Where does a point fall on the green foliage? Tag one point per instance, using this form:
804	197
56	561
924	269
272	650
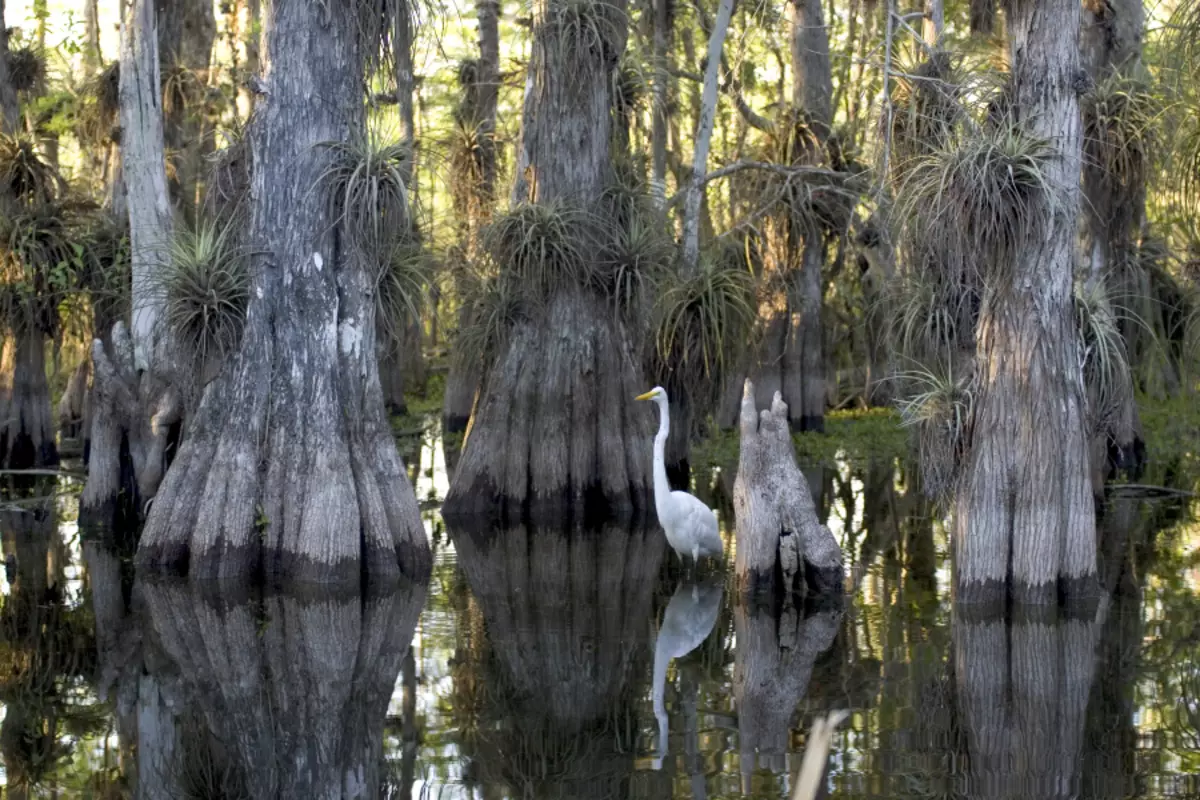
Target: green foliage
1105	365
939	406
98	108
632	263
401	291
205	286
704	317
926	108
365	184
492	304
25	68
541	247
24	175
592	28
986	189
1120	120
860	436
39	265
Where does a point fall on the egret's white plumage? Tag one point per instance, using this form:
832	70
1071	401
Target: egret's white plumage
690	526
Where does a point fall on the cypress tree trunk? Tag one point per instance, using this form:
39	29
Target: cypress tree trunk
479	111
187	30
26	423
664	27
803	362
289	465
1114	187
132	407
1024	498
556	422
10	111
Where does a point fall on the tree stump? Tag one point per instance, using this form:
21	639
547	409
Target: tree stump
778	532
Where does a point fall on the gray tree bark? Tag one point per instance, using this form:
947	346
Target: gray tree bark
781	545
664	28
1111	45
288	465
1024	497
804	355
10	111
556	424
187	31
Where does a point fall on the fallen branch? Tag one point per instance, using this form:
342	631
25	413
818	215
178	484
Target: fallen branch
1144	488
766	166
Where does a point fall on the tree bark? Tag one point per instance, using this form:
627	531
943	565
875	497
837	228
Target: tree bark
187	31
289	466
664	27
26	423
466	371
93	57
1025	497
1111	46
556	424
803	362
983	17
704	128
934	22
779	537
72	407
144	173
10	111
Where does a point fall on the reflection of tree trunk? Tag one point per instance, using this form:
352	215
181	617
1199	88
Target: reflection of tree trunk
565	615
1023	689
774	662
301	685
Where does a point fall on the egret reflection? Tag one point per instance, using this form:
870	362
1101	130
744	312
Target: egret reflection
689	619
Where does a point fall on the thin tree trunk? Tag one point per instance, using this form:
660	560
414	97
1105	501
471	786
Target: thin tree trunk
1111	47
556	423
1025	497
664	24
704	128
803	364
93	56
10	111
934	22
289	465
466	371
144	173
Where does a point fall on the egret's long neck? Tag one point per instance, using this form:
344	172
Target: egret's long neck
662	489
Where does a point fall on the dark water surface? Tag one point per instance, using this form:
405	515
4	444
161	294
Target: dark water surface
584	664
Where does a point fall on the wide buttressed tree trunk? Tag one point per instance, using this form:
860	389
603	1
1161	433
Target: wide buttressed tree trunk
26	424
1023	506
288	465
556	424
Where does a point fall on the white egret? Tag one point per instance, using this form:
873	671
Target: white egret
690	526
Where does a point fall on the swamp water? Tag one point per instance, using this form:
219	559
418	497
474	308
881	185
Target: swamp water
550	664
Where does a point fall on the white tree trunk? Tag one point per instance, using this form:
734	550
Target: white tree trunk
704	128
776	518
935	22
144	173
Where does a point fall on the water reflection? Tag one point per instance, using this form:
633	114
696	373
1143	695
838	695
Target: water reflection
565	614
689	619
574	662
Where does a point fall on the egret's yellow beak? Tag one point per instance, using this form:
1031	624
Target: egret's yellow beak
645	396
